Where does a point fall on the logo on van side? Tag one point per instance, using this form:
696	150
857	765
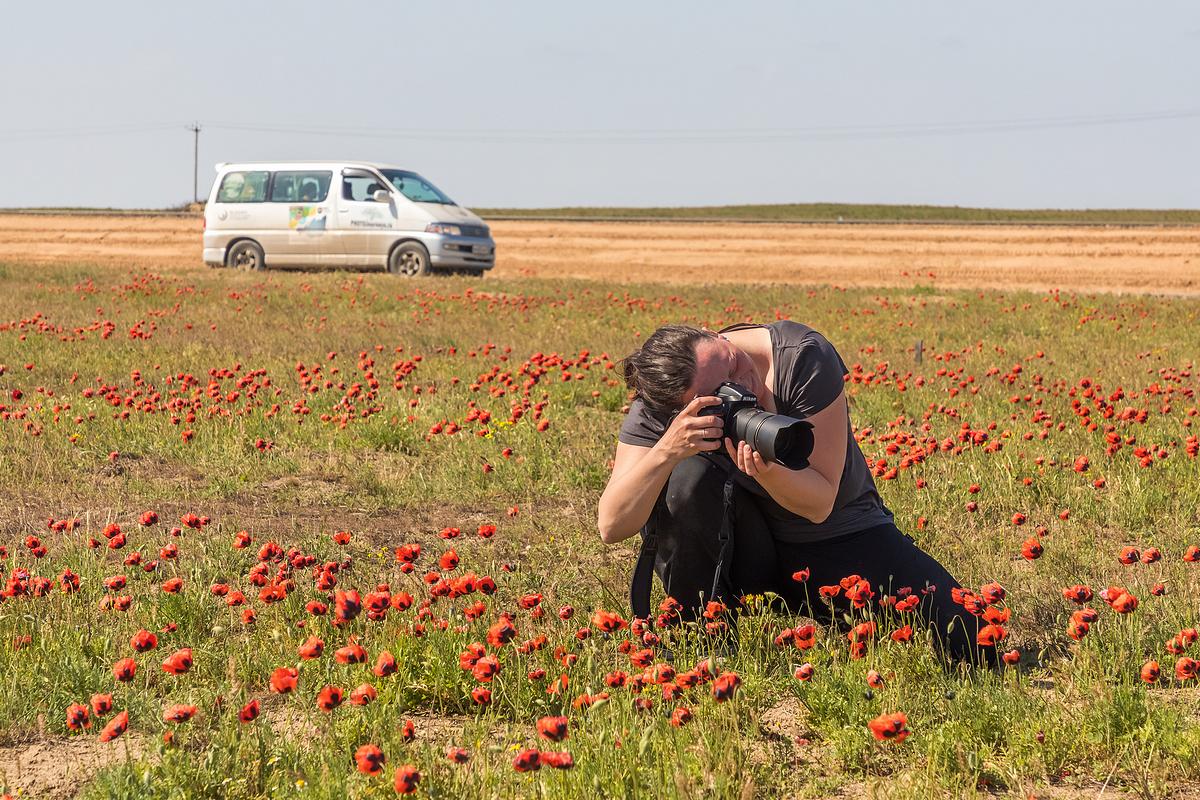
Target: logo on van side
306	218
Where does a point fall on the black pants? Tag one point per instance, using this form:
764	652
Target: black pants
688	520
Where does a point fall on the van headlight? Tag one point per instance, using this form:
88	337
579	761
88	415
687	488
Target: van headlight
443	228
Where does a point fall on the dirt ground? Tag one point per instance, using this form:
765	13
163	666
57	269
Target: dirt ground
1161	260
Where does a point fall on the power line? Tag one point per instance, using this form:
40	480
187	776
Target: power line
195	129
631	135
719	136
84	131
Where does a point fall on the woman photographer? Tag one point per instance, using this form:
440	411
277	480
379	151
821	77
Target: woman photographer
672	463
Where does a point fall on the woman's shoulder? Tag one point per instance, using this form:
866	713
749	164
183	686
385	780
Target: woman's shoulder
789	333
642	427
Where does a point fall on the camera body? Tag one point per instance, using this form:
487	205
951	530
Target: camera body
784	440
734	398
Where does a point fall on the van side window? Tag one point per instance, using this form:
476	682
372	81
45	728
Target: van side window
300	187
360	187
243	187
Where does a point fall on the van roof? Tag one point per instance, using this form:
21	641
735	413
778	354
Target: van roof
224	165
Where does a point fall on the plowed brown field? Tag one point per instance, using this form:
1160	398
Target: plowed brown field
1159	260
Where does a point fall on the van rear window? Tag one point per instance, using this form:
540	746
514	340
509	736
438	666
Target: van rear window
243	187
300	187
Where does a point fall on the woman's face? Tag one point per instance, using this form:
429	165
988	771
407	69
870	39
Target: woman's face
717	361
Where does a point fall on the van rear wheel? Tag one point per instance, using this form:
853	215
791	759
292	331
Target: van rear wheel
246	255
409	259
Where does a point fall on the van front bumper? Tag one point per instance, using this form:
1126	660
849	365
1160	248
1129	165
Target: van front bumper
461	252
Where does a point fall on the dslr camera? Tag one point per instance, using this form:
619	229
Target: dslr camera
784	440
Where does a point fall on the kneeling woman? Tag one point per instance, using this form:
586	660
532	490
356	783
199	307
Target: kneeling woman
827	519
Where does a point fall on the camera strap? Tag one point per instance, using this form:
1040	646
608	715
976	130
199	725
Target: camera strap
642	582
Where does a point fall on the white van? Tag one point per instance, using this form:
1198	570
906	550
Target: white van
349	213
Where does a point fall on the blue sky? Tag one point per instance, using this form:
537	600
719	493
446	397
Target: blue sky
621	103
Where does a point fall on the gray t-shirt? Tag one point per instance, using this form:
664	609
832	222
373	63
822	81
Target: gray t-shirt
809	375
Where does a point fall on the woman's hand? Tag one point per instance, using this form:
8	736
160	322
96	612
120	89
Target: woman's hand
749	461
690	433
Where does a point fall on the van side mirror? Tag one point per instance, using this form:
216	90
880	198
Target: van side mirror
382	196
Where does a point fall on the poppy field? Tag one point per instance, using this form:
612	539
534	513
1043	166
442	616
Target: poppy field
333	535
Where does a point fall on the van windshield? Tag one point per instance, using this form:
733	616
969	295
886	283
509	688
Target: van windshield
415	188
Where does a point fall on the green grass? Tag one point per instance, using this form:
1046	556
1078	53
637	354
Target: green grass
860	212
1074	716
795	212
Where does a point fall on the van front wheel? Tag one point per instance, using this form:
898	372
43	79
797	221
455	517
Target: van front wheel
246	255
410	260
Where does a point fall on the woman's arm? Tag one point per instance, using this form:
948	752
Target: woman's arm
638	476
640	473
808	492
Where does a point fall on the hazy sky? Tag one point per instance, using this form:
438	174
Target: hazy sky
616	103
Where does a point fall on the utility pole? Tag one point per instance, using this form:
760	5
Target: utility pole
195	129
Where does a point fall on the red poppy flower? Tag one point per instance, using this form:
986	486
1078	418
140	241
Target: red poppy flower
249	712
481	695
330	698
801	576
178	662
352	653
1031	548
143	641
485	668
804	672
1077	594
369	759
312	648
448	560
862	631
124	670
608	622
284	680
1077	629
385	665
406	779
996	616
101	704
1150	672
903	634
681	716
992	593
552	728
1120	600
501	633
78	717
557	760
363	694
458	755
179	713
1129	555
408	731
890	727
1186	668
874	679
115	727
990	635
341	537
347	605
527	761
725	685
1012	657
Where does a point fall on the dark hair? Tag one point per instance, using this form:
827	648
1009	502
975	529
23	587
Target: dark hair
663	368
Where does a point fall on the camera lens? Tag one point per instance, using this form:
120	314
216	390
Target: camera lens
777	438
